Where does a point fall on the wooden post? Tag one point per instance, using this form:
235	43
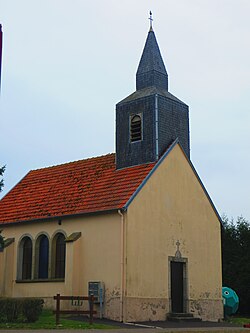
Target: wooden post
90	312
91	308
57	309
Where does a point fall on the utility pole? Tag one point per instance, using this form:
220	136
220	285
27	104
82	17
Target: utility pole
1	47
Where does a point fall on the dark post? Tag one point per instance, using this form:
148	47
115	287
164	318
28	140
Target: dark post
57	308
1	46
91	307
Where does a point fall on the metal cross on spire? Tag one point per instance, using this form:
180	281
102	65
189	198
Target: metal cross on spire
151	21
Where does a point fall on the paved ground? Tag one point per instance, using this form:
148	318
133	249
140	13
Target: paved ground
165	324
168	326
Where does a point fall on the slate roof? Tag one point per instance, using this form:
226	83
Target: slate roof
151	59
151	70
81	187
148	92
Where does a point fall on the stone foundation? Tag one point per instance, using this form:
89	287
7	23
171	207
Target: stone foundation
149	309
145	309
111	309
207	309
157	309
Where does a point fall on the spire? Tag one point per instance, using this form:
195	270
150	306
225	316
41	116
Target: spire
151	70
151	21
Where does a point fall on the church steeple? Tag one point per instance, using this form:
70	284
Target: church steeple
150	119
151	70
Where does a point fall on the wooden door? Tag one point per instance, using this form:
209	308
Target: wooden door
177	286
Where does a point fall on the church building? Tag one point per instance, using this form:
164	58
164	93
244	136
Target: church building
135	227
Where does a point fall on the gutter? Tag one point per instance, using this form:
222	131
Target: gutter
58	217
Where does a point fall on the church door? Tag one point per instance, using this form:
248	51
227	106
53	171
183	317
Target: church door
177	286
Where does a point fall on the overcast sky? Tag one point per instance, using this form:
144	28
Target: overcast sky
67	63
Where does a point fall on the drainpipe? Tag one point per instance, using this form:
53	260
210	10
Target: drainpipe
156	128
122	264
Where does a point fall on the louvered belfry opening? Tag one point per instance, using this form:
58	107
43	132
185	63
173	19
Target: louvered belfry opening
135	128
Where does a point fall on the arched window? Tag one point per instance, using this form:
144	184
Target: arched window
135	128
60	251
26	258
43	257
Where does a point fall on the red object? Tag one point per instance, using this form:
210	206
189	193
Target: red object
246	325
1	47
79	187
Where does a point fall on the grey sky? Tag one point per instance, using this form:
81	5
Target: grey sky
67	63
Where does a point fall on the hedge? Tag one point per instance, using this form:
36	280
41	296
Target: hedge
16	309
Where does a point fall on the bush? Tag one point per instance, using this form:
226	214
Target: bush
2	310
32	308
12	309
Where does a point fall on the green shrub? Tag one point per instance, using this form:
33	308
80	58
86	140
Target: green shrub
2	311
12	309
32	308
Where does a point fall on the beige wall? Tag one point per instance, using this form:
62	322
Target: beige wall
6	269
95	256
171	207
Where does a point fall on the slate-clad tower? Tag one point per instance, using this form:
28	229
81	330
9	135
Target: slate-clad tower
151	118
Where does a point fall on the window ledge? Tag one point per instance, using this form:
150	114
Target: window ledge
39	280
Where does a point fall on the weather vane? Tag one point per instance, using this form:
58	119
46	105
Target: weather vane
151	20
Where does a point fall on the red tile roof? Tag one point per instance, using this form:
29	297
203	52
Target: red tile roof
85	186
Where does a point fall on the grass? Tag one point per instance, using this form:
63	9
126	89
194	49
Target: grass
47	321
239	320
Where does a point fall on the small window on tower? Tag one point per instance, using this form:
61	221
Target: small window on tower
135	128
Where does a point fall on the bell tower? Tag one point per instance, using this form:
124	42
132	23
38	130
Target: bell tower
150	119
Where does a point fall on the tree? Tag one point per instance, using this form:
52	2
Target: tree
2	169
236	259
